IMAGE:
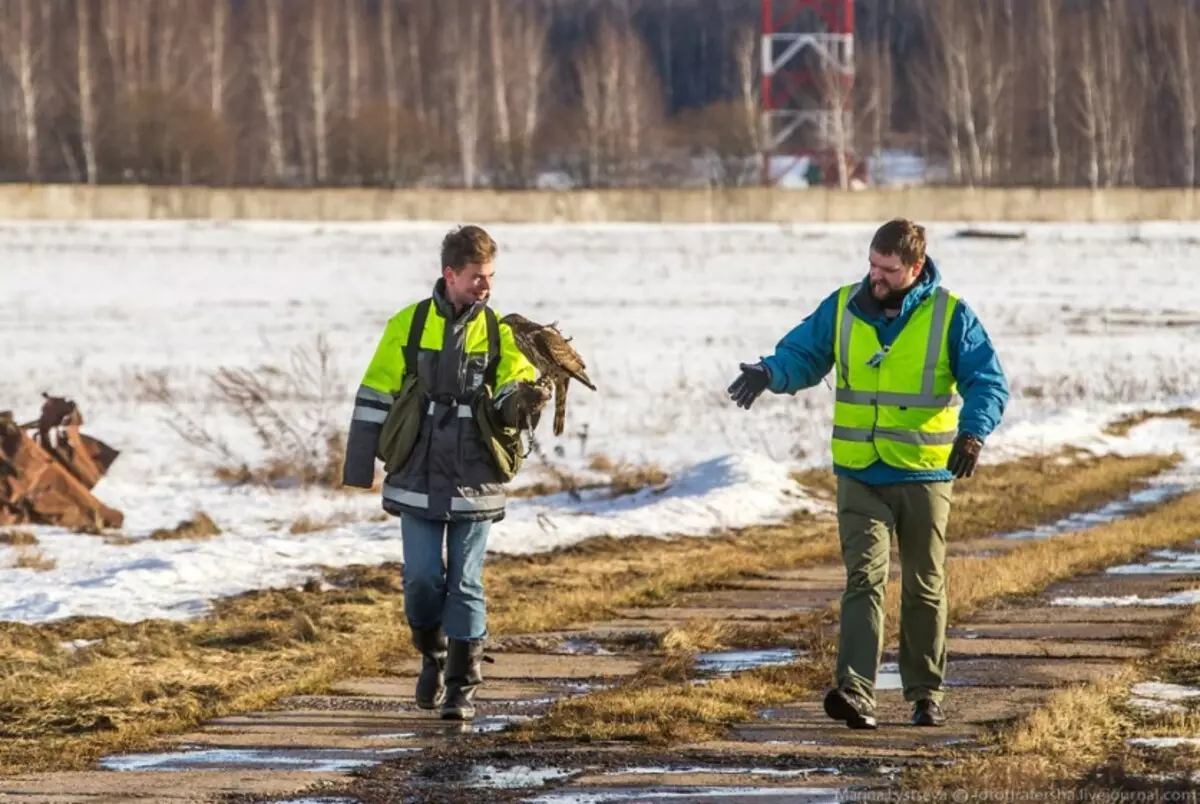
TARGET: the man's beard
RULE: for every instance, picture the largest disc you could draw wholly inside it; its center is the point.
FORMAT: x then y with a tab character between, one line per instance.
893	299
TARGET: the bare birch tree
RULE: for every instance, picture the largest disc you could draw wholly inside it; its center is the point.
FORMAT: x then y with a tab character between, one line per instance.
268	75
21	56
461	46
216	43
87	107
1177	33
1048	46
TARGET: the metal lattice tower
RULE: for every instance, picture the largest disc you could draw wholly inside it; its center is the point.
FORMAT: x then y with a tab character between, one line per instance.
807	57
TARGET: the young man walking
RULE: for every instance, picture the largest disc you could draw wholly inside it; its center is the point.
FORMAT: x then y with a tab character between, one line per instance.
904	350
448	490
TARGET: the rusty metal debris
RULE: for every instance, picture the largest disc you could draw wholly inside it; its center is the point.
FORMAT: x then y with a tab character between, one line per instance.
48	469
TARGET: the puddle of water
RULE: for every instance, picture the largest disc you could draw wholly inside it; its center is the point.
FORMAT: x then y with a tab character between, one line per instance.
1143	498
807	795
1189	597
1171	562
319	801
578	646
494	723
734	661
396	735
316	760
887	677
517	776
791	773
1164	742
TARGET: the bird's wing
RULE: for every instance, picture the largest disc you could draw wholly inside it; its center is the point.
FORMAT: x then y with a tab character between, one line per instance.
557	351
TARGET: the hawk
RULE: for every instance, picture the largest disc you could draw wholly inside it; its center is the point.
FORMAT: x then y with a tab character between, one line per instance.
553	356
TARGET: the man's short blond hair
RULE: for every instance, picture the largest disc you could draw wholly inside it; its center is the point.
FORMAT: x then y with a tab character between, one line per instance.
466	245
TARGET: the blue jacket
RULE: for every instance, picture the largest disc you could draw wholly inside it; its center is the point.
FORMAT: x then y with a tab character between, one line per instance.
805	355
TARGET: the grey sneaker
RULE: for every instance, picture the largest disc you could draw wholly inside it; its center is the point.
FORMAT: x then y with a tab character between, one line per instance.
927	712
848	706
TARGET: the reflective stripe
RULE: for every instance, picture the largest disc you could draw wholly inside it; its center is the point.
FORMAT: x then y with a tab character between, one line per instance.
367	393
401	497
490	502
862	436
897	399
913	437
937	326
852	434
844	335
464	411
372	415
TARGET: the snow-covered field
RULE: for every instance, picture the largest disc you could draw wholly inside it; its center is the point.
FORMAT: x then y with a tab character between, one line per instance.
1090	322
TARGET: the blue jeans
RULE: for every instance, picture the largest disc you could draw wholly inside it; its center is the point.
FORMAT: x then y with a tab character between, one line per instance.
448	593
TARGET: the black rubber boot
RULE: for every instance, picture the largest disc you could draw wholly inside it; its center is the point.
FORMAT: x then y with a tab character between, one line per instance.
431	686
463	674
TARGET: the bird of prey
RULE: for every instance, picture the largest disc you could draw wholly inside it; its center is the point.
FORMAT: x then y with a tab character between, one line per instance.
553	356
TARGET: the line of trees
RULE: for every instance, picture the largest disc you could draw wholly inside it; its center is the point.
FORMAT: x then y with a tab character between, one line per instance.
514	93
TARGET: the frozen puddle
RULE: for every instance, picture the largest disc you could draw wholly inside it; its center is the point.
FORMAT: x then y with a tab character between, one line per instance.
804	795
1170	562
791	773
1135	502
738	660
516	777
1188	597
494	723
317	760
1161	697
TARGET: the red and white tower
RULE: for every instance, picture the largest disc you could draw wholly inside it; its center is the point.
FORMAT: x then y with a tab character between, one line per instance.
807	78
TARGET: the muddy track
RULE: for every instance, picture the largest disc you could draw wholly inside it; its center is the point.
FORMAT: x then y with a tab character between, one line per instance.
366	742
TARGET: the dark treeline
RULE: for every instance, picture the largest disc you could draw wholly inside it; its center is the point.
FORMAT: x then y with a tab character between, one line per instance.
587	92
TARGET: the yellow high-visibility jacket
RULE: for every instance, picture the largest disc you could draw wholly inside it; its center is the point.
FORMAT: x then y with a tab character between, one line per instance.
898	405
450	474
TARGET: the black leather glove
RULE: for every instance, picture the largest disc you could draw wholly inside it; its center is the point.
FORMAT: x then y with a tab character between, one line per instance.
523	407
964	456
753	381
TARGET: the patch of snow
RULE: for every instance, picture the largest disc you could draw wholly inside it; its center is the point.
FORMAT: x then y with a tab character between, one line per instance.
662	314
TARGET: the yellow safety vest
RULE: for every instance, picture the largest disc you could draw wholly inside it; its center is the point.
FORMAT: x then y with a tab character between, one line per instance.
897	405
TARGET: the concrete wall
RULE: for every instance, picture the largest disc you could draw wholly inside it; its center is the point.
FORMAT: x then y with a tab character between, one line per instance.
80	202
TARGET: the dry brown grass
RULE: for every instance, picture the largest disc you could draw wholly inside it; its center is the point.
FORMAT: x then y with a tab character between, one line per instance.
1123	425
629	479
307	524
17	538
1027	568
34	559
198	527
61	711
1078	737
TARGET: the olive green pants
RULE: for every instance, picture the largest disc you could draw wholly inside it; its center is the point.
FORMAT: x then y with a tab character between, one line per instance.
867	518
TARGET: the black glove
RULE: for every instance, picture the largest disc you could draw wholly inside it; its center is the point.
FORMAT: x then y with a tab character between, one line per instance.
753	381
523	406
964	457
